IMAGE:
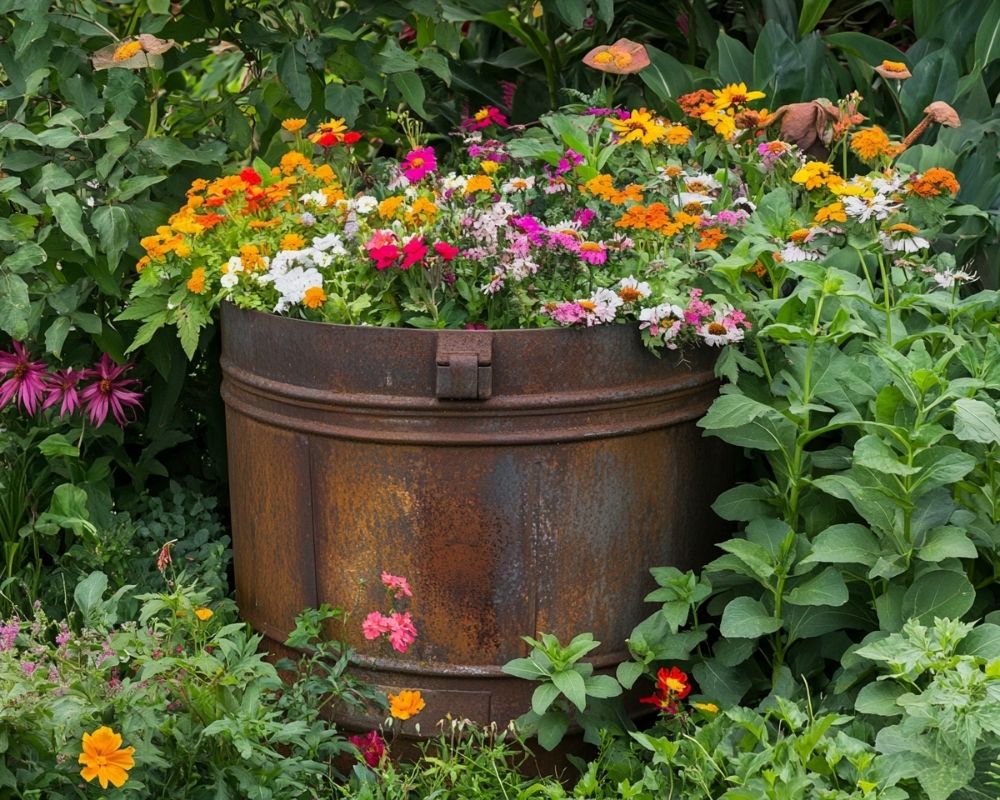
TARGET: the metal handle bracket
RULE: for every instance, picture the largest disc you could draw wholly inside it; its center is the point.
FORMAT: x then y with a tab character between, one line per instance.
464	365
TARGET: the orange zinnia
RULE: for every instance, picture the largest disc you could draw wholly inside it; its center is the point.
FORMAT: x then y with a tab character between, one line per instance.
871	143
104	758
408	703
196	283
934	182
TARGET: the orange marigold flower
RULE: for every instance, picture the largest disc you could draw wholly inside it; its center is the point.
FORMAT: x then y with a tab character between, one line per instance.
104	758
258	224
710	239
294	124
292	241
934	182
834	212
479	183
871	143
696	103
126	50
294	160
408	703
388	207
196	283
325	173
251	258
314	297
422	211
621	58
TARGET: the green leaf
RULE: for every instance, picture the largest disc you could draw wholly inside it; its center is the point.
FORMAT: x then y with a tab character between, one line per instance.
946	542
570	683
130	187
935	77
602	686
754	556
665	76
543	696
848	543
811	13
941	593
58	445
344	101
56	334
26	256
112	226
628	673
294	75
868	49
870	451
89	591
14	306
983	641
988	37
735	62
976	421
826	589
551	728
524	668
732	411
724	685
571	12
879	698
746	618
743	503
412	89
66	209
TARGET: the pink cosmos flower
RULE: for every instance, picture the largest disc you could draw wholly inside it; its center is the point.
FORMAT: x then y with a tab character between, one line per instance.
402	631
371	745
593	252
413	252
110	392
447	251
384	255
27	381
374	625
418	163
62	389
483	118
399	585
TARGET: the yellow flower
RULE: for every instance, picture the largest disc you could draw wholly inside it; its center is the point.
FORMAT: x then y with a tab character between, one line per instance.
722	122
408	703
388	207
478	183
735	94
196	283
314	297
126	50
294	124
871	143
678	134
104	758
292	241
204	614
708	708
489	167
834	212
293	160
814	175
639	126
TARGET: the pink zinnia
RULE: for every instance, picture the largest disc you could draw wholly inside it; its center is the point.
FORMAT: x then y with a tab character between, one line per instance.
371	746
418	163
110	392
402	631
26	382
374	625
484	117
398	584
384	256
62	389
413	251
445	250
593	252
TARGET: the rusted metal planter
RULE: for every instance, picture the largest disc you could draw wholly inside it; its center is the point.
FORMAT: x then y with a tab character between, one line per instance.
537	501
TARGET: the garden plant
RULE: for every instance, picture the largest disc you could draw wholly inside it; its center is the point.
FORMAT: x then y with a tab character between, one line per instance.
808	191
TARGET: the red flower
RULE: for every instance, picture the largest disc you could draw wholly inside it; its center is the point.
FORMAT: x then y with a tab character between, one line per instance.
110	392
327	139
371	745
413	252
351	137
384	256
445	250
671	686
251	176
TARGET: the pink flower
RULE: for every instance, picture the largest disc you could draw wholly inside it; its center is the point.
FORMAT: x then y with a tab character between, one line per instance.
374	625
402	631
27	381
593	252
568	313
483	118
384	255
8	634
62	389
418	163
447	251
508	89
697	309
413	252
371	745
399	585
110	392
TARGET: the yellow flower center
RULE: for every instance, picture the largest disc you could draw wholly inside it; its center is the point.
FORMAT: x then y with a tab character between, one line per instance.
902	227
481	114
673	684
604	57
894	66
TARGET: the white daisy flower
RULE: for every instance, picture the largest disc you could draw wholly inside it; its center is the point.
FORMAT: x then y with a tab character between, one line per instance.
331	243
314	198
631	290
902	238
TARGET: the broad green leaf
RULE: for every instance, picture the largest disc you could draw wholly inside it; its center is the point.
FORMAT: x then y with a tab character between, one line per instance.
935	77
868	49
56	334
734	61
666	77
344	101
570	683
543	696
58	445
112	225
879	698
628	673
754	556
746	618
551	728
870	451
826	589
743	503
947	542
810	14
847	543
412	89
602	686
294	75
941	593
988	37
524	668
26	256
733	410
723	685
14	306
976	421
89	591
571	12
68	213
983	641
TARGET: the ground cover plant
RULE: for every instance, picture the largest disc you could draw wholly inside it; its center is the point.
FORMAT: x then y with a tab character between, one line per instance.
692	181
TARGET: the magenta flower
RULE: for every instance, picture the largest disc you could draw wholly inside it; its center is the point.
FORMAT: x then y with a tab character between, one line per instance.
397	584
110	392
371	745
26	382
402	631
374	625
567	313
484	117
62	389
418	163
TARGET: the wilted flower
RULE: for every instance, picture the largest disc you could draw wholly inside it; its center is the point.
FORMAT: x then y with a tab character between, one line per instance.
621	58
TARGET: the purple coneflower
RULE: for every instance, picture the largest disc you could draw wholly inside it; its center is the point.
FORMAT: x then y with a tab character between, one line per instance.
110	392
26	382
62	389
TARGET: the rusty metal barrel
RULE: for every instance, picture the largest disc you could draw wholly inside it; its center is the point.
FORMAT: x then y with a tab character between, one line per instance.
524	481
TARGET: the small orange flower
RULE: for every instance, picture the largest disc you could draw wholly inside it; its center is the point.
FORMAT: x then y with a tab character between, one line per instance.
104	758
934	182
294	124
710	239
126	50
696	103
314	297
871	143
408	703
621	58
196	283
292	241
893	70
388	207
478	183
204	614
834	212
